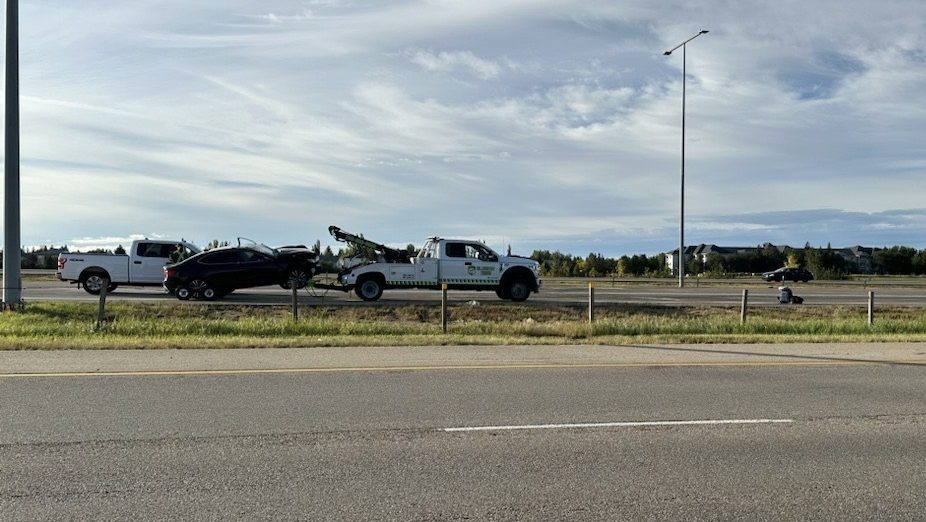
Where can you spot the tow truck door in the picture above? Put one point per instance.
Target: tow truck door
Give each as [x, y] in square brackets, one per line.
[427, 264]
[468, 264]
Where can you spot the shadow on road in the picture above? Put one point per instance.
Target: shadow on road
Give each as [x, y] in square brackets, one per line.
[823, 358]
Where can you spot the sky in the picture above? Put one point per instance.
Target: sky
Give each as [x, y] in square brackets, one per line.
[545, 124]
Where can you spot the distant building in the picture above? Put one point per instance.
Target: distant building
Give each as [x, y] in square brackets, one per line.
[861, 257]
[42, 256]
[672, 258]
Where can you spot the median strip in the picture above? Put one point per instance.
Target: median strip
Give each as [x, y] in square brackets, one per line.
[632, 424]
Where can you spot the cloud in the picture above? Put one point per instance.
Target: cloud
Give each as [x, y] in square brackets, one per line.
[540, 122]
[306, 14]
[450, 61]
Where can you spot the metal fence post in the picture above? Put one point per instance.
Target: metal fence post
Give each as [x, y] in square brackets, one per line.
[744, 306]
[871, 308]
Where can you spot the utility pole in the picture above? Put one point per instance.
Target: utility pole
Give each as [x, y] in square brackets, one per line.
[12, 255]
[681, 218]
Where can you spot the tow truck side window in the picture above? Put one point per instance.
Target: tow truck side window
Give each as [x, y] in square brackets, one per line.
[480, 252]
[456, 250]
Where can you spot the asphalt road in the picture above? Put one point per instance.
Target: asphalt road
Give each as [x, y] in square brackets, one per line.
[727, 295]
[466, 433]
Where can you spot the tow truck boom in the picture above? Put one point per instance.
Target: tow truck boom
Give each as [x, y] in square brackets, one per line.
[390, 255]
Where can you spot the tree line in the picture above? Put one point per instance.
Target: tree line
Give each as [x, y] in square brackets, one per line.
[825, 263]
[558, 264]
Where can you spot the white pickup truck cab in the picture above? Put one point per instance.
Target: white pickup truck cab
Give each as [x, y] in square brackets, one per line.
[143, 265]
[458, 263]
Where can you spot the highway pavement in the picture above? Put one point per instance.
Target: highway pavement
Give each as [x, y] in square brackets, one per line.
[719, 432]
[760, 294]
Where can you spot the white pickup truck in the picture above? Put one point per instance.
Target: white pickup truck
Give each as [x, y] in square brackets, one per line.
[142, 266]
[458, 263]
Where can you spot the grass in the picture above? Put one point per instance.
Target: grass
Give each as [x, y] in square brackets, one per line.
[192, 325]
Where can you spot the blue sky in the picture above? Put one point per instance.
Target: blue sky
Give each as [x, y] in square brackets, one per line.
[539, 124]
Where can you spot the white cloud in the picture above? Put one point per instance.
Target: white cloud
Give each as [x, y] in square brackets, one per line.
[547, 122]
[449, 61]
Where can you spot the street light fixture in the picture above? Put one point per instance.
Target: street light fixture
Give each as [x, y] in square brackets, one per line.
[681, 225]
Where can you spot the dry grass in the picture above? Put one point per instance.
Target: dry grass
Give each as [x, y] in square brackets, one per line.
[194, 325]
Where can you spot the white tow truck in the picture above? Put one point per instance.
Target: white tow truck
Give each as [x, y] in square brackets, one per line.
[143, 265]
[459, 263]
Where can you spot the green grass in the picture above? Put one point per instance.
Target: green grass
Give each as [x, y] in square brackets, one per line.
[193, 325]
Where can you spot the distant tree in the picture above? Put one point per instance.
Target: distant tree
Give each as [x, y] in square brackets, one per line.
[119, 250]
[623, 266]
[215, 243]
[919, 263]
[715, 265]
[596, 265]
[317, 247]
[897, 260]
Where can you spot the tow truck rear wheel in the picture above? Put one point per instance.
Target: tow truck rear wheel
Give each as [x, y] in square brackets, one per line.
[369, 289]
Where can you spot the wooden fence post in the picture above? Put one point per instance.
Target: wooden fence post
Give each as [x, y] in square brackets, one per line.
[295, 301]
[591, 303]
[101, 313]
[871, 308]
[744, 307]
[443, 307]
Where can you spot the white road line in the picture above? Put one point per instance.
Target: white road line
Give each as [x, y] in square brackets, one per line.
[621, 424]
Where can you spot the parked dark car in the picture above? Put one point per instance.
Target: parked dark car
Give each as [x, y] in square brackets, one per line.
[788, 274]
[215, 273]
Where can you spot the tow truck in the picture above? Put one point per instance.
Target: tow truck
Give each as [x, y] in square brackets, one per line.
[461, 264]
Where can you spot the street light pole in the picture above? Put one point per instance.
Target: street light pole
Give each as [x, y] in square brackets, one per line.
[681, 218]
[12, 257]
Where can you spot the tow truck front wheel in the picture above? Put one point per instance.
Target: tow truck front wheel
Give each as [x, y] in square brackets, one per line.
[518, 290]
[369, 289]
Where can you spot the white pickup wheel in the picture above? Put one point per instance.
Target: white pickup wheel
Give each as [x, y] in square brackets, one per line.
[92, 282]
